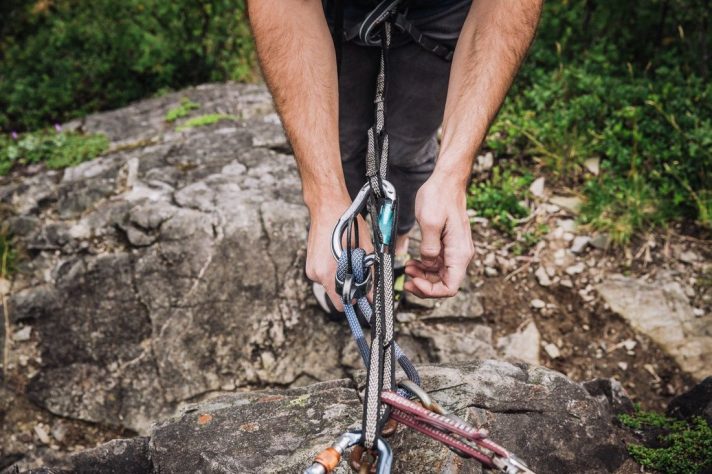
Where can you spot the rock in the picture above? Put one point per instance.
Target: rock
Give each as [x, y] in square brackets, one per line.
[696, 402]
[537, 303]
[600, 241]
[592, 165]
[576, 269]
[118, 456]
[491, 272]
[550, 422]
[623, 366]
[579, 243]
[484, 162]
[537, 187]
[542, 277]
[521, 345]
[448, 343]
[611, 393]
[552, 350]
[660, 310]
[688, 256]
[570, 203]
[23, 334]
[42, 434]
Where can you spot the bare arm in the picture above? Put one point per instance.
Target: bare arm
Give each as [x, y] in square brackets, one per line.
[298, 61]
[493, 42]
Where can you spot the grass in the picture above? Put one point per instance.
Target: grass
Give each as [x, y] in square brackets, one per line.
[181, 110]
[680, 447]
[55, 149]
[205, 120]
[498, 199]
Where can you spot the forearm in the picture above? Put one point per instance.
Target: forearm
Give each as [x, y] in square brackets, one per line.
[297, 57]
[493, 42]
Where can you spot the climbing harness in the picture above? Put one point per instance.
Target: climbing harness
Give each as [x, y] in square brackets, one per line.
[385, 402]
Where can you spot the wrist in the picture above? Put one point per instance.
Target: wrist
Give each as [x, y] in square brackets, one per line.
[453, 176]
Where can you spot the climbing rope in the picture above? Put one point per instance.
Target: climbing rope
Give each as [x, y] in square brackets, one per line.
[385, 401]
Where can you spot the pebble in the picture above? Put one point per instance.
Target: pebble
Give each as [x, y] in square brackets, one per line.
[623, 365]
[593, 165]
[569, 225]
[402, 317]
[23, 334]
[552, 351]
[491, 272]
[567, 283]
[698, 312]
[537, 187]
[59, 431]
[570, 203]
[542, 277]
[579, 244]
[600, 241]
[629, 344]
[42, 434]
[537, 303]
[568, 236]
[575, 269]
[490, 259]
[688, 256]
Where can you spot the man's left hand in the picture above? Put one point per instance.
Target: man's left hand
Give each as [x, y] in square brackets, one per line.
[446, 247]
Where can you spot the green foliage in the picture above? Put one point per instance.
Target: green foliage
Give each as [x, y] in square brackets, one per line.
[498, 199]
[683, 447]
[597, 85]
[204, 120]
[181, 110]
[65, 58]
[54, 149]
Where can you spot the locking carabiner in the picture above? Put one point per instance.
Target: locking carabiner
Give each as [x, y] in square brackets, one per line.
[327, 460]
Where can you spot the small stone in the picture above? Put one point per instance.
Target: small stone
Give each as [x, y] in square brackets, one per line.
[490, 260]
[491, 272]
[585, 327]
[42, 434]
[59, 431]
[688, 256]
[542, 277]
[402, 317]
[579, 244]
[537, 303]
[629, 344]
[600, 241]
[698, 312]
[593, 165]
[23, 334]
[569, 225]
[576, 269]
[623, 365]
[551, 208]
[568, 236]
[567, 282]
[552, 350]
[537, 187]
[570, 203]
[484, 162]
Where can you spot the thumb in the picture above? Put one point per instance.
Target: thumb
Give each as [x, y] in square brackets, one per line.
[430, 242]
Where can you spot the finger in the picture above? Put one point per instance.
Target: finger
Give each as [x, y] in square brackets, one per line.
[411, 288]
[416, 272]
[334, 296]
[433, 289]
[430, 244]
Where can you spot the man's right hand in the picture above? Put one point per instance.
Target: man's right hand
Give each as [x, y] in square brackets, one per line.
[321, 265]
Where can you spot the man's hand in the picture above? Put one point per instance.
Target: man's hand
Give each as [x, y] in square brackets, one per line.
[321, 265]
[446, 246]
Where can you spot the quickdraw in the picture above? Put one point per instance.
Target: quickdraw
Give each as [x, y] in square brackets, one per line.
[386, 403]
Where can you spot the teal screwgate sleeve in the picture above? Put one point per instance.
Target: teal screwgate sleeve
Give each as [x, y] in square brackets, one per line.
[385, 222]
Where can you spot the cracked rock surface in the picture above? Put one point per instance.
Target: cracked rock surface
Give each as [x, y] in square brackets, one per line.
[549, 421]
[171, 268]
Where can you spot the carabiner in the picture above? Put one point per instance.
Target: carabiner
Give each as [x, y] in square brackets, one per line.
[358, 205]
[327, 460]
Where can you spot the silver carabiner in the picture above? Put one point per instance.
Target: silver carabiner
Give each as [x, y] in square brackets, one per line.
[347, 440]
[358, 205]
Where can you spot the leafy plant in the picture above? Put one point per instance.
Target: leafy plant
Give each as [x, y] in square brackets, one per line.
[204, 120]
[54, 149]
[498, 199]
[681, 447]
[181, 110]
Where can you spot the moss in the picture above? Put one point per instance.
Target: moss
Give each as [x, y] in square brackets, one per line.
[204, 120]
[181, 110]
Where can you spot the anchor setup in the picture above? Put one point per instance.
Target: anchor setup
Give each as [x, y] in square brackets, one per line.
[386, 401]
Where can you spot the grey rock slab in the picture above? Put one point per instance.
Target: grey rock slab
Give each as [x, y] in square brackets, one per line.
[660, 309]
[522, 345]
